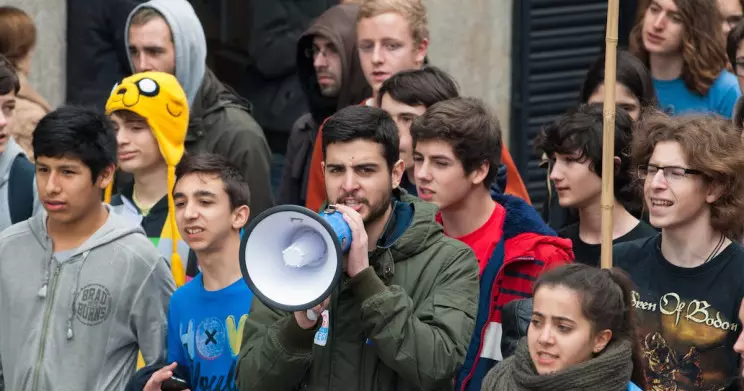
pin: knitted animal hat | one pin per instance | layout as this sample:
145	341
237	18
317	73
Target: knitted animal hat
160	100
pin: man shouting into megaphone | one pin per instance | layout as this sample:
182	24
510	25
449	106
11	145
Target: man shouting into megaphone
402	317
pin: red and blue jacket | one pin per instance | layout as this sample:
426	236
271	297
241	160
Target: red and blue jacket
526	249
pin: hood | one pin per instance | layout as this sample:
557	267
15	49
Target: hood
114	228
412	227
528	234
338	25
12	150
188	39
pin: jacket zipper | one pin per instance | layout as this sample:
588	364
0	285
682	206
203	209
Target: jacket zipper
469	376
42	341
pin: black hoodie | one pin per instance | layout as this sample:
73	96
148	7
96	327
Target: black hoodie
338	25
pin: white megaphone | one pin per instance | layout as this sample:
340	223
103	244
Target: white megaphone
292	257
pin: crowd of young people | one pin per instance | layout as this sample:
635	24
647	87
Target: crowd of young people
444	238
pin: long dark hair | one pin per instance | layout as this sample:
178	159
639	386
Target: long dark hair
630	72
606	300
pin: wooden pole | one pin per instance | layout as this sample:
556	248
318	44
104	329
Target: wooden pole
608	140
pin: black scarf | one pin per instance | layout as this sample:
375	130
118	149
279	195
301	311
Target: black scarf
609	371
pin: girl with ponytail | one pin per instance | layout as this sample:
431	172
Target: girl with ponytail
582	336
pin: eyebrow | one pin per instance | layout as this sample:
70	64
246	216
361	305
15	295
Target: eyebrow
558	318
198	193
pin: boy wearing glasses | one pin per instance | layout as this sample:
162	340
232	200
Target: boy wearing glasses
688	280
574	144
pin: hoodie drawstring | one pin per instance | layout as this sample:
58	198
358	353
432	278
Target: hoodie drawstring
45	280
74	292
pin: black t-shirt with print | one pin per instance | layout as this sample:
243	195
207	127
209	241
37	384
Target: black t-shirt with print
688	316
590	254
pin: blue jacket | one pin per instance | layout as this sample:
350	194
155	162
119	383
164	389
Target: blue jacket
526	248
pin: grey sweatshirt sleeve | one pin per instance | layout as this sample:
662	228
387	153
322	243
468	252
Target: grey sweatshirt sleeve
149	316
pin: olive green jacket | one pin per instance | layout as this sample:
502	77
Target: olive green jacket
402	324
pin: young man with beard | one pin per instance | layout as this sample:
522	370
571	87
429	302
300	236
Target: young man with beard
82	290
18	196
406	96
392	36
682	44
573	143
206	316
403	313
456	156
688	280
331	78
166	36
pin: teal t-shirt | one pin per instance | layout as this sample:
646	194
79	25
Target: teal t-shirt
675	98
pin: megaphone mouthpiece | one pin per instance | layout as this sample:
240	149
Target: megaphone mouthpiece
307	249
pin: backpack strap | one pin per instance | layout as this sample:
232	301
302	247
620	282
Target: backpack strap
21	189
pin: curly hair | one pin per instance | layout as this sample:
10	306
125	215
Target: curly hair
713	146
703	50
580	130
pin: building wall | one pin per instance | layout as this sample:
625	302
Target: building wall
48	63
473	43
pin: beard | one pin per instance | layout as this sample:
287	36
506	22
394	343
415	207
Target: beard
376	210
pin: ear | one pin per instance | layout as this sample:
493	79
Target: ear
421	49
617	162
479	174
105	176
240	216
397	173
322	166
601	340
715	191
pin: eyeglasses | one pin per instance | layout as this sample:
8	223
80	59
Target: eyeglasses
671	173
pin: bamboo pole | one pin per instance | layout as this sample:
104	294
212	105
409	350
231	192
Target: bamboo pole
608	136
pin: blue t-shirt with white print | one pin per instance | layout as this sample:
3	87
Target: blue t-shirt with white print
676	99
205	331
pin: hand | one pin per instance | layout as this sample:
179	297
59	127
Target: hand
156	380
306	323
358	253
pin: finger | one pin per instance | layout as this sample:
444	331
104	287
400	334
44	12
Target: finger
161	376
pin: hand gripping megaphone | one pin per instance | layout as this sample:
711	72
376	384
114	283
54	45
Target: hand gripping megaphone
292	257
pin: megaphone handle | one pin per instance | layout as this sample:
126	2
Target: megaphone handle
312	315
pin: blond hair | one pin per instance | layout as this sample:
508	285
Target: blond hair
412	10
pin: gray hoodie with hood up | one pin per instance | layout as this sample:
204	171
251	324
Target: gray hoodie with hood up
79	324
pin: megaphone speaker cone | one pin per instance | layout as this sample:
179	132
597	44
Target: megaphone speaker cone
292	257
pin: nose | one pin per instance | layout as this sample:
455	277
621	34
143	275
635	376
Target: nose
546	336
3	120
122	91
121	137
556	174
421	171
349	183
51	186
377	57
659	21
320	61
190	211
143	63
739	345
658	180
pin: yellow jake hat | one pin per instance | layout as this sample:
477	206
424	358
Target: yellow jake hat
160	100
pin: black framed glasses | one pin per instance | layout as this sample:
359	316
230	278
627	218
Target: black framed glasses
671	173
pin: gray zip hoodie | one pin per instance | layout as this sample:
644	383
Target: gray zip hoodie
188	39
12	150
78	325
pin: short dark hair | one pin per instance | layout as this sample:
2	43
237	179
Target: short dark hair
630	72
581	130
235	184
77	133
419	87
735	36
363	123
469	127
8	77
